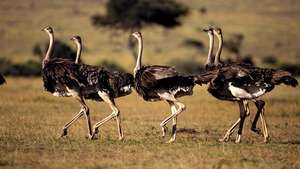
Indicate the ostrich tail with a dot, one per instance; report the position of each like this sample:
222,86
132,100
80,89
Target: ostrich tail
284,77
290,81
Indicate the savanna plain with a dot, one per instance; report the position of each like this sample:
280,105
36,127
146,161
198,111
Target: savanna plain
31,119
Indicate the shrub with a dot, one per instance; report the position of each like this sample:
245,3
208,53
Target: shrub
60,50
270,60
186,66
193,43
128,14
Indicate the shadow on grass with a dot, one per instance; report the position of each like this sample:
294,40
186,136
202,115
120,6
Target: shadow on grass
187,131
293,142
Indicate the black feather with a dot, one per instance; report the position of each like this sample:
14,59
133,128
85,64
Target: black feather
2,80
151,80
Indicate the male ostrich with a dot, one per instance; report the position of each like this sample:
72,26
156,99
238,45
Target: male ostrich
63,77
243,83
2,80
155,83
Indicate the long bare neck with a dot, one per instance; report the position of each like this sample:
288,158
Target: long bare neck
78,53
139,57
219,51
49,50
210,50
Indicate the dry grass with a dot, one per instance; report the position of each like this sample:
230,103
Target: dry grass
264,24
31,121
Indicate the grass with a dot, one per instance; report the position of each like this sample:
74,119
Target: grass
31,119
31,122
263,24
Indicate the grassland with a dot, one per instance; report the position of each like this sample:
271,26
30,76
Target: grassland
31,122
270,27
31,119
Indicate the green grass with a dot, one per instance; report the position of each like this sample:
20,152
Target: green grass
32,119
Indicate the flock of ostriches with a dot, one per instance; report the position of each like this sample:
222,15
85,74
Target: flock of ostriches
237,82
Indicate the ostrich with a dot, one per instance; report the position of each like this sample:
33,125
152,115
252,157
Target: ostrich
62,77
2,80
242,83
120,83
156,83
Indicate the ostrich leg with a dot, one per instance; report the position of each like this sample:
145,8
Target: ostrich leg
264,126
230,131
84,110
115,113
181,108
173,110
244,109
259,105
232,128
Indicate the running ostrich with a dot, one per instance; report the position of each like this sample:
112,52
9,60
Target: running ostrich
120,82
243,83
62,77
157,83
2,80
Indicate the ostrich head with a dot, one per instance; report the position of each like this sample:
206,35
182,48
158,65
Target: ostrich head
209,30
48,29
217,31
76,38
137,35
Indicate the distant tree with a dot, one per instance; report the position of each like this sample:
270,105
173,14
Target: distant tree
129,14
233,44
135,14
193,43
60,50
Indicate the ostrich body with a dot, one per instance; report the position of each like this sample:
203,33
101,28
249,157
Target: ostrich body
120,82
63,77
243,83
156,83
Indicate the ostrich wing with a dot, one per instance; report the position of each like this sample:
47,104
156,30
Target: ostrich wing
151,74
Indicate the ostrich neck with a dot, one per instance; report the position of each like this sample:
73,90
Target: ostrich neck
50,48
210,50
78,53
139,58
218,54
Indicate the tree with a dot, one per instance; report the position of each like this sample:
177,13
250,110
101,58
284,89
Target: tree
129,14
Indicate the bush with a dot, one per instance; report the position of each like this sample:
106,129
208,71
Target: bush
187,66
111,66
193,43
60,50
234,43
293,68
270,60
128,14
30,68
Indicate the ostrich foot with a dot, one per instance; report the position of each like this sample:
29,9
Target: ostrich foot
256,130
94,134
64,133
238,139
164,131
